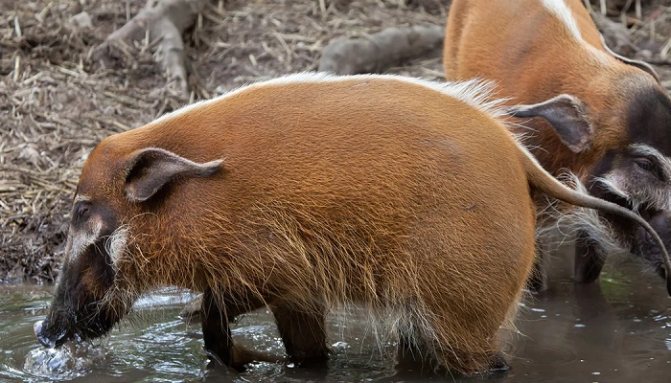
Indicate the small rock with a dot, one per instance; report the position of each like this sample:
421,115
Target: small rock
81,20
645,54
30,153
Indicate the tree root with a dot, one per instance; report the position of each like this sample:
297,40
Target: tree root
376,52
162,23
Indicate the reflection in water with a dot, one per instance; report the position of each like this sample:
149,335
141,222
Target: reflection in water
616,331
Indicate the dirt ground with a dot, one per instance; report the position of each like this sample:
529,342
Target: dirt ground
56,103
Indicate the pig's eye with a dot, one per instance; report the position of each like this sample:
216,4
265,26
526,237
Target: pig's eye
644,163
82,211
649,166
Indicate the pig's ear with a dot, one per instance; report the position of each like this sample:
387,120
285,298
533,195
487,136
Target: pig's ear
568,117
151,169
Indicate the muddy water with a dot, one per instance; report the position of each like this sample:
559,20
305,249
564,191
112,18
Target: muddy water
616,331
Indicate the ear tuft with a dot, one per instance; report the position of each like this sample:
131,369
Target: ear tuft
568,117
151,169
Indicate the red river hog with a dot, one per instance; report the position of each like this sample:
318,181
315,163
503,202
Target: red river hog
604,119
310,192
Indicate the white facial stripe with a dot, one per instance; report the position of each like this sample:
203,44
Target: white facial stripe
611,183
640,193
644,149
82,198
116,245
81,240
649,151
561,11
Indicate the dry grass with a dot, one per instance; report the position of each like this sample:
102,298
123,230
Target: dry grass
55,105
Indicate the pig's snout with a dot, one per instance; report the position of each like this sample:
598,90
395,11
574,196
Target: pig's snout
37,327
40,330
661,223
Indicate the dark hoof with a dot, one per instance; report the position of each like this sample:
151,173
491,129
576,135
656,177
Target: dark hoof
318,360
215,364
241,357
498,364
536,285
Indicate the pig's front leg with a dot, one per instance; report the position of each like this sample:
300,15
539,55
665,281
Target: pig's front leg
216,320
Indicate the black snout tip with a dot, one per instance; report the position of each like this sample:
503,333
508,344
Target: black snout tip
38,328
668,283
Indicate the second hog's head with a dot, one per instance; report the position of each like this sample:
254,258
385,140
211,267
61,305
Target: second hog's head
623,155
